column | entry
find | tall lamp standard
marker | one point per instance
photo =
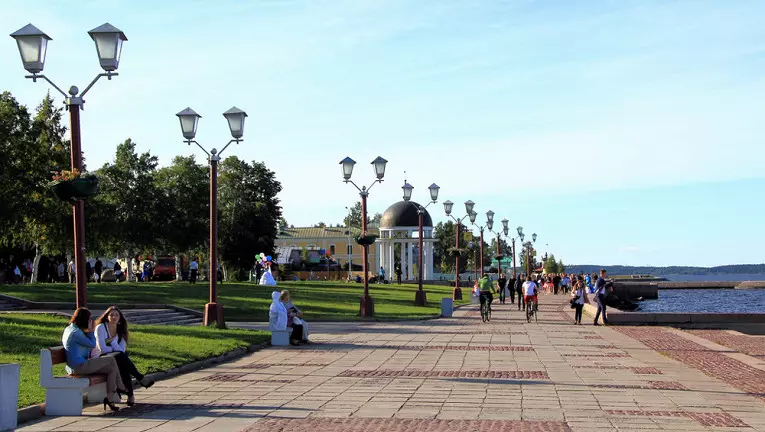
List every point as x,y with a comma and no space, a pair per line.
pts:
367,307
505,230
490,226
532,250
521,236
189,121
420,298
448,205
33,45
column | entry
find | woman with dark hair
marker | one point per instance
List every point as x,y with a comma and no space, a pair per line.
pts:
79,342
111,340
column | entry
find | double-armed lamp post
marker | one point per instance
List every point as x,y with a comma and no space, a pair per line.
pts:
448,205
420,298
490,225
505,230
189,121
367,307
33,44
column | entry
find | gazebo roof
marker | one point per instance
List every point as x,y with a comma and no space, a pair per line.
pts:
404,214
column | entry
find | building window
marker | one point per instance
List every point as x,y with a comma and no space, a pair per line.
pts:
332,249
350,249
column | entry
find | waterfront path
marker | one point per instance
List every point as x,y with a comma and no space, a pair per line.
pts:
460,374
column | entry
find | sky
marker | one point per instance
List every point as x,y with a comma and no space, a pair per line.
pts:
622,132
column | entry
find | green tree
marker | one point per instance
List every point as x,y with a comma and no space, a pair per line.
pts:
128,211
550,265
353,219
15,131
249,212
443,233
184,187
561,267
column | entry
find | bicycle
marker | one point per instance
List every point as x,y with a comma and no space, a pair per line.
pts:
486,310
532,311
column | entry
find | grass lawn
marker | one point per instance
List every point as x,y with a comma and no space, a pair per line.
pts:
152,348
249,302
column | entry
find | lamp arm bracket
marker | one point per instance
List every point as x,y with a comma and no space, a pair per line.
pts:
35,77
198,145
354,185
373,183
236,140
107,74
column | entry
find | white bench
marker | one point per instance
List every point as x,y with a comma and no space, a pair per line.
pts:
64,394
281,337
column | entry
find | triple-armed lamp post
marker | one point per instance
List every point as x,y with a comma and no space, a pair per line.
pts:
367,307
420,298
505,230
33,44
448,205
189,121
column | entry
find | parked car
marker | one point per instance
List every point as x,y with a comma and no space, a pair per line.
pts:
164,268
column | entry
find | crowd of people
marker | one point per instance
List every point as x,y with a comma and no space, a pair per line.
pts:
527,287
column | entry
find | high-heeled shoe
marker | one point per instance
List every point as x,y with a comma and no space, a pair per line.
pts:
146,383
111,405
131,400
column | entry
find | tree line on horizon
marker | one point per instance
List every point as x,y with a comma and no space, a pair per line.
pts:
141,208
670,270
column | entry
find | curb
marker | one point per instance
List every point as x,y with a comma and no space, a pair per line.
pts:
35,412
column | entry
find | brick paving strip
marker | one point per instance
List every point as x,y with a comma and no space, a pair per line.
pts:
444,374
724,420
635,370
714,364
364,425
750,345
651,385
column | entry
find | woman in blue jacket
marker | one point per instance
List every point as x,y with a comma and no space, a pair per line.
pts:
79,342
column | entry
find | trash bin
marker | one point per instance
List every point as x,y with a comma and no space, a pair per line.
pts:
9,395
447,307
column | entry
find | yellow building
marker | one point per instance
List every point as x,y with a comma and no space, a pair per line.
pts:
339,242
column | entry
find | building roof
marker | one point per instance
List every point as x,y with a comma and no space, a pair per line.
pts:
404,214
316,232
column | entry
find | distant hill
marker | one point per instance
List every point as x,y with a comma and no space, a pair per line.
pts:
673,270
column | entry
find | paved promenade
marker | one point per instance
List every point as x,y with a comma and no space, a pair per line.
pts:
460,374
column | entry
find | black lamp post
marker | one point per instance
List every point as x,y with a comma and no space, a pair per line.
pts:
420,298
448,205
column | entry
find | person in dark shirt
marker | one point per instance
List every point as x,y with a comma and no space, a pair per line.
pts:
556,283
99,267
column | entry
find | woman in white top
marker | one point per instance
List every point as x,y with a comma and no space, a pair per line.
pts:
579,294
111,340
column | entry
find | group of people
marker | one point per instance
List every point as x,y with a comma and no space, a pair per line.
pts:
50,270
527,290
100,347
283,314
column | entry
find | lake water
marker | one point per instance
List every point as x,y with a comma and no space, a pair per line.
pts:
707,300
715,277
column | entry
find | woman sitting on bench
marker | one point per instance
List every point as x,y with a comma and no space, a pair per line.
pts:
295,317
111,340
79,342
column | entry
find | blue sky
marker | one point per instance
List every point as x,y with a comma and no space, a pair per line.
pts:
623,132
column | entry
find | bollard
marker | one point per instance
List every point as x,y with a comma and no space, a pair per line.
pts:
9,395
447,307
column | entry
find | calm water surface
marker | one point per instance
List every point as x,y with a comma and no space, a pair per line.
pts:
707,300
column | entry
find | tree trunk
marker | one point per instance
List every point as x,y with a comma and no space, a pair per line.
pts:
178,269
36,264
129,260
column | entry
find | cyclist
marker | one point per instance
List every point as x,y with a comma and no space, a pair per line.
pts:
486,287
530,293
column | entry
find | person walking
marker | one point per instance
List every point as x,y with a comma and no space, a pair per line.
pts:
502,286
98,267
398,275
601,286
194,271
579,299
382,275
519,292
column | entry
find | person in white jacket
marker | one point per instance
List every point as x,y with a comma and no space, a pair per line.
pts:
111,340
277,314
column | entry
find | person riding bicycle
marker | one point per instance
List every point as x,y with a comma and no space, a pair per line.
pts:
530,291
486,287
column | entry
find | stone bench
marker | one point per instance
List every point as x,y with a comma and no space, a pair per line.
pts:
281,337
64,394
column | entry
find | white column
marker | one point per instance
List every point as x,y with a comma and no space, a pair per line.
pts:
410,258
402,257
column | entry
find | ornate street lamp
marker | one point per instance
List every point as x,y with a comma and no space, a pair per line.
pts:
33,46
420,298
448,205
189,120
367,307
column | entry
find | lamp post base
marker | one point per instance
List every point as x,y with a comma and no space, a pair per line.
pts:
214,314
367,307
457,293
420,299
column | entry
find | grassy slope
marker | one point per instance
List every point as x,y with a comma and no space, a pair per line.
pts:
152,348
249,302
